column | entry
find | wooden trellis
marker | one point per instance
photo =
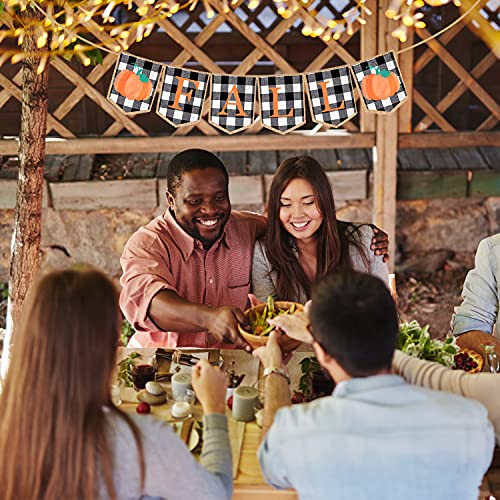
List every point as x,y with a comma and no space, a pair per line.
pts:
191,41
248,39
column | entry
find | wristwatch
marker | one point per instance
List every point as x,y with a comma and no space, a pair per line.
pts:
278,371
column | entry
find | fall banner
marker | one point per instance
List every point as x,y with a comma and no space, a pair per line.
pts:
234,99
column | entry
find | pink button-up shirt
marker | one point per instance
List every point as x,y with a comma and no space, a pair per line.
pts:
162,256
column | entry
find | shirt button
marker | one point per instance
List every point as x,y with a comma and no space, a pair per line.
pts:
211,280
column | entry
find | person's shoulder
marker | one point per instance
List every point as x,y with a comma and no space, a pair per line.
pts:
243,217
492,243
455,406
150,428
360,231
301,417
260,248
148,234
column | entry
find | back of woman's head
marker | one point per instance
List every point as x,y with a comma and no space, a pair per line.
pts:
69,331
57,383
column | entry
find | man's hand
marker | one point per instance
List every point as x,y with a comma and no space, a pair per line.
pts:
295,325
270,355
222,322
380,242
210,383
476,339
254,301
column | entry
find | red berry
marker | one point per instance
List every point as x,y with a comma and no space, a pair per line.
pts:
297,397
230,402
143,408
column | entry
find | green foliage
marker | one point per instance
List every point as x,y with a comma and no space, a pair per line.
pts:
416,341
4,291
309,367
2,7
125,369
126,332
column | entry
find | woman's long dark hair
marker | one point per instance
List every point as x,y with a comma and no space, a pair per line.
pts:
53,439
333,237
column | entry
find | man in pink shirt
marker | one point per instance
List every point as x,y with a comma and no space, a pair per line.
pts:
186,274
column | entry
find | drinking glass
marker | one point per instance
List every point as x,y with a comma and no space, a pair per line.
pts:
116,390
143,371
491,361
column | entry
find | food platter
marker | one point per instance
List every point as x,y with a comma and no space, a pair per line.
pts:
468,360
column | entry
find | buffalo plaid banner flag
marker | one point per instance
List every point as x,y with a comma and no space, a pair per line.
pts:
380,83
232,102
134,84
282,102
331,95
181,95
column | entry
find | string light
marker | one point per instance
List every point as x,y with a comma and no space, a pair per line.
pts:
62,23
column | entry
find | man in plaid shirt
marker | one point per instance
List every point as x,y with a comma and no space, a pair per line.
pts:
186,274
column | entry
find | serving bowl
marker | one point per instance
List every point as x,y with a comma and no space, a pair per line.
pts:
286,343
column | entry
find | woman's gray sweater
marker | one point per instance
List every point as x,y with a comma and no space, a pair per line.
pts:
264,279
172,473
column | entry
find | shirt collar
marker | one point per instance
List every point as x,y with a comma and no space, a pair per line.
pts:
185,241
364,384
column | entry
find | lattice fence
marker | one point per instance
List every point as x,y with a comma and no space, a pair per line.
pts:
451,79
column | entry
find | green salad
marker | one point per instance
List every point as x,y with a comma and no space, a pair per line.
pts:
416,341
258,321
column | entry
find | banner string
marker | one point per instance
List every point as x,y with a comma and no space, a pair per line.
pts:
439,33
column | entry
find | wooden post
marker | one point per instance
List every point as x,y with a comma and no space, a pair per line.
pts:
368,50
28,213
385,153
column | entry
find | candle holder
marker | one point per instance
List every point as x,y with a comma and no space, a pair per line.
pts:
244,399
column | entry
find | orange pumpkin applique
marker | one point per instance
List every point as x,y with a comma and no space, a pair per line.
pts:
134,86
381,85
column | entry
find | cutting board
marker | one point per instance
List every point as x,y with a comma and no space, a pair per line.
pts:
236,433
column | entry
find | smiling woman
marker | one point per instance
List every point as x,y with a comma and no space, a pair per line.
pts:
304,240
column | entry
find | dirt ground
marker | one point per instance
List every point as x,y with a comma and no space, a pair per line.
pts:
430,298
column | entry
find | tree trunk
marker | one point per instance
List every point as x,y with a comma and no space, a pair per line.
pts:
28,213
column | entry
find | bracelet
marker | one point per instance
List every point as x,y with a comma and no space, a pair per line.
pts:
278,371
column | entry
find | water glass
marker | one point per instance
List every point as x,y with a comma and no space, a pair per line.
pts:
491,360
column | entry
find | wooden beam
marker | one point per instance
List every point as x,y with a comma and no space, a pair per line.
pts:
432,140
368,41
267,142
385,158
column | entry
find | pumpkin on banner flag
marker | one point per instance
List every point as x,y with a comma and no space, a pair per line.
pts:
380,83
282,102
181,95
134,84
232,102
331,96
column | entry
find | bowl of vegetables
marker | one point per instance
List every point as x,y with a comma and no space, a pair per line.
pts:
259,329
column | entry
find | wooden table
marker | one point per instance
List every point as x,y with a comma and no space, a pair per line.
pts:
249,482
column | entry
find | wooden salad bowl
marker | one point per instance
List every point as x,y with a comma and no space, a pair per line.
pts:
286,343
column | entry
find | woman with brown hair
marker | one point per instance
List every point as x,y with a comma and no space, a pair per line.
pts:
60,435
304,240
